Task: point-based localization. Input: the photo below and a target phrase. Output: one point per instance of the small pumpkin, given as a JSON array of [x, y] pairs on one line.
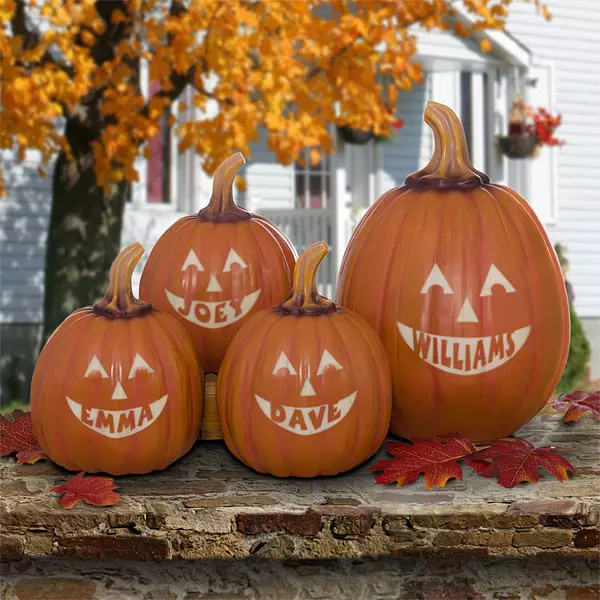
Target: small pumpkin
[[117, 388], [304, 389], [214, 269], [461, 283]]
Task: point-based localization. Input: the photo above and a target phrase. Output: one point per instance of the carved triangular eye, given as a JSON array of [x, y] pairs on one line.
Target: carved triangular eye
[[283, 362], [233, 258], [494, 277], [436, 277], [95, 367], [192, 259], [328, 361], [139, 364]]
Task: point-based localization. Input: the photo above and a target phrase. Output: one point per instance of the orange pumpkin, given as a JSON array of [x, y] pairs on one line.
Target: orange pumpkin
[[304, 389], [212, 270], [461, 283], [117, 388]]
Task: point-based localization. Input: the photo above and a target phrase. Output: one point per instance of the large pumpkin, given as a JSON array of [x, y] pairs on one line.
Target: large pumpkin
[[461, 283], [117, 388], [305, 388], [212, 270]]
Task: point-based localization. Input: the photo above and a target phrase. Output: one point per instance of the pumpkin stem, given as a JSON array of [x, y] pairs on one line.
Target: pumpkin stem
[[450, 165], [119, 300], [305, 299], [222, 206]]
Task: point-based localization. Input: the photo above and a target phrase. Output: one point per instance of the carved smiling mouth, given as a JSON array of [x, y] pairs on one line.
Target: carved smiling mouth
[[214, 315], [307, 420], [118, 423], [464, 355]]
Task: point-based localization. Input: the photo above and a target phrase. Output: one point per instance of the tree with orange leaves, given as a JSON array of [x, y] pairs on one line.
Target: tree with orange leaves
[[288, 67]]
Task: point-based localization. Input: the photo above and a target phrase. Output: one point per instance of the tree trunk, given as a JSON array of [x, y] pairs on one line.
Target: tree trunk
[[84, 233]]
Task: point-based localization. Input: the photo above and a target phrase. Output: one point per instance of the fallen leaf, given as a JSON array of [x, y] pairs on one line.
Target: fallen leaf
[[436, 458], [93, 490], [578, 403], [514, 460], [18, 436]]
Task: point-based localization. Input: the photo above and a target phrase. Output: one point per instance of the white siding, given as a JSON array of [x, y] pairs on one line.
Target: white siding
[[412, 145], [571, 42], [24, 215]]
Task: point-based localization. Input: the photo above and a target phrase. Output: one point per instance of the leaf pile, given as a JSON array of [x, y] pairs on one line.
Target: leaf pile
[[93, 490], [578, 403], [511, 460], [18, 436]]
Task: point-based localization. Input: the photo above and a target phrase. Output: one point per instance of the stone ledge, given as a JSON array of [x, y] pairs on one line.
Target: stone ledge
[[210, 506]]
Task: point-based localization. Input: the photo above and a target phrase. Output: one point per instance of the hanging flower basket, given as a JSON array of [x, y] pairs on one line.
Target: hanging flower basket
[[354, 136], [519, 146]]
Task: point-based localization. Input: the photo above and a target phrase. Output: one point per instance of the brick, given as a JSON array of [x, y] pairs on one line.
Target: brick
[[156, 513], [280, 547], [114, 547], [343, 501], [553, 513], [42, 516], [394, 524], [591, 592], [352, 525], [586, 538], [512, 521], [306, 524], [548, 538], [11, 548], [449, 521], [38, 544], [448, 538], [440, 588], [19, 487], [54, 588], [40, 469], [226, 501], [496, 539], [130, 520]]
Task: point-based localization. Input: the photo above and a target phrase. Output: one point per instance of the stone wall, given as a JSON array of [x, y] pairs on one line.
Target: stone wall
[[263, 579]]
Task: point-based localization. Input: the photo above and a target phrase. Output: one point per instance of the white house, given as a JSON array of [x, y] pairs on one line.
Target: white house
[[552, 64]]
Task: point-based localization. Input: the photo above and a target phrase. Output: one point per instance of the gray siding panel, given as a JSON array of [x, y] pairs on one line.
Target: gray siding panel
[[571, 42]]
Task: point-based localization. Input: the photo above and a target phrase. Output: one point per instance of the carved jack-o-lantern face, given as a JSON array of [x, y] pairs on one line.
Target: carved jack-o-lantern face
[[126, 418], [462, 355], [219, 305], [306, 417]]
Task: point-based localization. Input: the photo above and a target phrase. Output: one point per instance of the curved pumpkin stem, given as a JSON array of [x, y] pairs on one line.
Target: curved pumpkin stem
[[305, 298], [119, 300], [222, 206], [450, 165]]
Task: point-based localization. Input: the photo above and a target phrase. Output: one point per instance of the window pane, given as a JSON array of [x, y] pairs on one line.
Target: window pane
[[300, 190], [315, 191]]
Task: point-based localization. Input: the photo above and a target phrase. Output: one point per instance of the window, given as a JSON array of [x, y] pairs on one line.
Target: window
[[158, 166], [313, 182], [474, 99]]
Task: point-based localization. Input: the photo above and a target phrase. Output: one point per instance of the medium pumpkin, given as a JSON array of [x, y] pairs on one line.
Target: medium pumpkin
[[304, 389], [461, 283], [117, 388], [212, 270]]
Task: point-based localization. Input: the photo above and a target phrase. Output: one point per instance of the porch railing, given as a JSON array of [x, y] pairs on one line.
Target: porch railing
[[304, 227]]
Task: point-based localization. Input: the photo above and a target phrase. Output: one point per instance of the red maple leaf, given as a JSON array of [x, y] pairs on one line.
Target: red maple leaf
[[18, 436], [436, 458], [93, 490], [578, 402], [514, 460]]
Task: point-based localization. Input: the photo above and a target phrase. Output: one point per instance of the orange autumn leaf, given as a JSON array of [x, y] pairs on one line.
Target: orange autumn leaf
[[277, 66], [578, 402], [17, 435], [92, 489], [436, 458], [514, 460]]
